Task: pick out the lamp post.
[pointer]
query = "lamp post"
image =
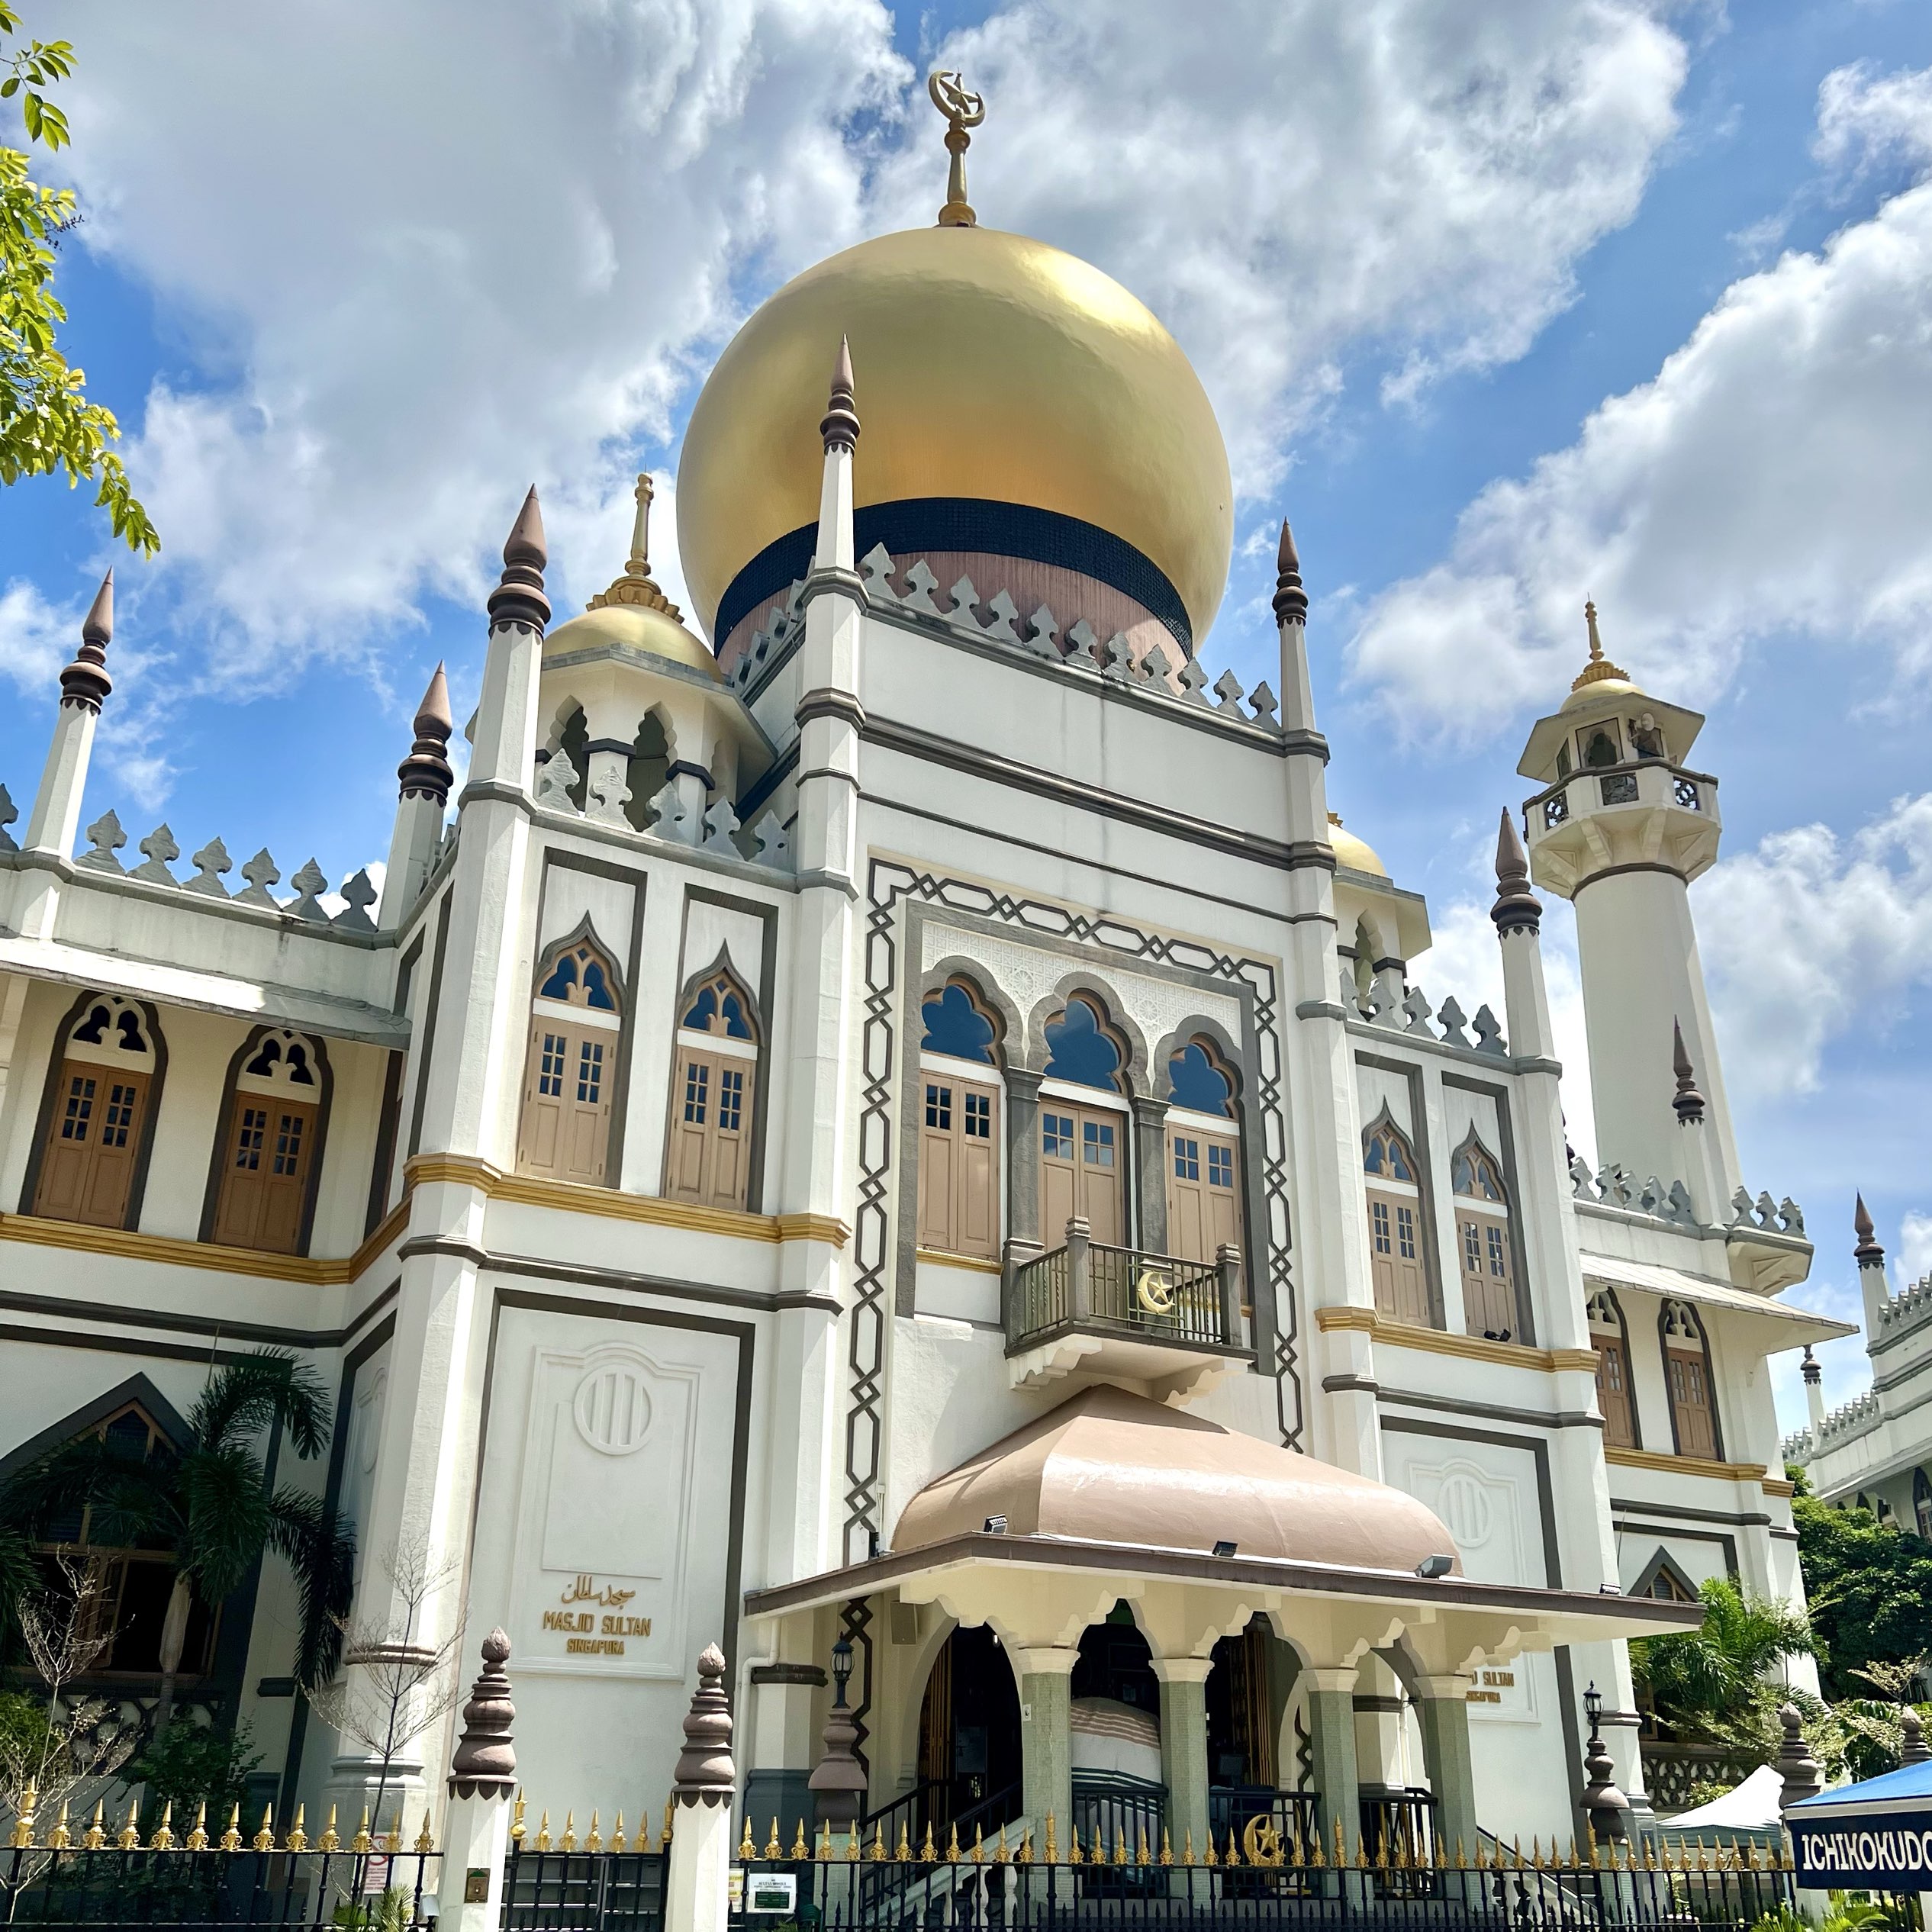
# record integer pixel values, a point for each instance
(1606, 1808)
(838, 1784)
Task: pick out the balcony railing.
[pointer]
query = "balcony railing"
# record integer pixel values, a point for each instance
(1092, 1287)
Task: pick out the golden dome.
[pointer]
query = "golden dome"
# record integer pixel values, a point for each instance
(1014, 399)
(1357, 854)
(634, 614)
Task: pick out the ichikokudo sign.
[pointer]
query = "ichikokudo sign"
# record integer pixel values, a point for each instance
(1884, 1853)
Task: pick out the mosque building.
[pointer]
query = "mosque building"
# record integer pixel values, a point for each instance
(887, 1125)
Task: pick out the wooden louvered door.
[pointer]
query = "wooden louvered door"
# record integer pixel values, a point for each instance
(566, 1116)
(266, 1178)
(87, 1168)
(1080, 1161)
(712, 1100)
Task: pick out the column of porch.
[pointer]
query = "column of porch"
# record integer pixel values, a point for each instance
(1184, 1749)
(1046, 1747)
(1331, 1739)
(1442, 1712)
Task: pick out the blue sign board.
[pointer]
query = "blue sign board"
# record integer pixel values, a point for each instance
(1876, 1835)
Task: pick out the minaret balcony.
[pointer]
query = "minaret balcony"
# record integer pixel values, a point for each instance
(1642, 812)
(1158, 1324)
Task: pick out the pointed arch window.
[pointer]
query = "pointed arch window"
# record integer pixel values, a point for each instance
(959, 1132)
(1204, 1212)
(270, 1154)
(713, 1092)
(1484, 1244)
(1692, 1387)
(1395, 1217)
(98, 1120)
(570, 1073)
(1615, 1396)
(1083, 1048)
(1083, 1150)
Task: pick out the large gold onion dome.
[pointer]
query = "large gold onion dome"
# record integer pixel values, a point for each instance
(1015, 401)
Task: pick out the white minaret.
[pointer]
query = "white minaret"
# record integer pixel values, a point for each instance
(425, 779)
(1874, 1290)
(1620, 828)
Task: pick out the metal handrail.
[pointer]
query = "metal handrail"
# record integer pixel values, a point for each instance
(1090, 1285)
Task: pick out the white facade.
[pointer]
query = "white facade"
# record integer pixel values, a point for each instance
(615, 1412)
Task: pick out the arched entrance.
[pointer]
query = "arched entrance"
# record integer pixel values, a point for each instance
(969, 1760)
(1119, 1790)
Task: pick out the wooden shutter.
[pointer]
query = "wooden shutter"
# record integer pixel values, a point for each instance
(1690, 1403)
(1489, 1275)
(1188, 1212)
(1613, 1393)
(265, 1176)
(1396, 1257)
(1059, 1149)
(1102, 1199)
(938, 1163)
(566, 1119)
(731, 1130)
(712, 1108)
(976, 1211)
(1223, 1158)
(87, 1168)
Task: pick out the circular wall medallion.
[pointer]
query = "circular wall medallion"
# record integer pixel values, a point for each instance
(612, 1409)
(1463, 1503)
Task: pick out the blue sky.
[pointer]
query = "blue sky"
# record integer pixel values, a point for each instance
(1503, 305)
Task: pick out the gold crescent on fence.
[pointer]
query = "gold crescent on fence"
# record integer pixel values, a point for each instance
(1155, 1291)
(1260, 1840)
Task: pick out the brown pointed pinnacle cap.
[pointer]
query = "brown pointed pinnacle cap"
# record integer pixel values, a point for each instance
(705, 1774)
(840, 425)
(484, 1761)
(425, 772)
(85, 681)
(1868, 1253)
(1687, 1101)
(1290, 599)
(1516, 910)
(518, 598)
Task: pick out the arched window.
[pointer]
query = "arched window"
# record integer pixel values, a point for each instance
(1482, 1242)
(1395, 1209)
(1922, 1503)
(98, 1126)
(576, 1026)
(1687, 1373)
(1599, 744)
(959, 1134)
(713, 1093)
(269, 1154)
(1204, 1154)
(1083, 1150)
(1610, 1339)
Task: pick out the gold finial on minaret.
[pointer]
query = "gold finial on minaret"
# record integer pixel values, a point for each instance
(637, 585)
(1599, 666)
(962, 109)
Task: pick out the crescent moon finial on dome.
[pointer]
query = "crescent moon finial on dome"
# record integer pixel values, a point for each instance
(963, 109)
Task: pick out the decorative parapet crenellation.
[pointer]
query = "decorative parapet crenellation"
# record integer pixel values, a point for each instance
(1104, 662)
(1784, 1217)
(668, 819)
(1905, 1312)
(1846, 1423)
(1614, 1186)
(1412, 1013)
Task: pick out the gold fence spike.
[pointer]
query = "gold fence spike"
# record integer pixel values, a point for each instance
(1052, 1848)
(1573, 1859)
(60, 1838)
(198, 1837)
(1382, 1846)
(1361, 1855)
(542, 1830)
(264, 1838)
(773, 1850)
(1341, 1845)
(852, 1842)
(129, 1837)
(799, 1852)
(570, 1832)
(1320, 1860)
(617, 1833)
(928, 1852)
(999, 1850)
(1120, 1843)
(1025, 1854)
(517, 1825)
(822, 1845)
(747, 1851)
(670, 1806)
(231, 1839)
(1441, 1852)
(1140, 1847)
(1075, 1856)
(1213, 1857)
(593, 1842)
(904, 1855)
(1297, 1857)
(425, 1844)
(97, 1832)
(1516, 1848)
(952, 1846)
(977, 1855)
(1462, 1863)
(331, 1840)
(23, 1832)
(878, 1854)
(1166, 1847)
(362, 1842)
(1234, 1849)
(297, 1838)
(164, 1837)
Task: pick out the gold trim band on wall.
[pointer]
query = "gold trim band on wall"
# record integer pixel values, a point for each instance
(1469, 1348)
(1691, 1466)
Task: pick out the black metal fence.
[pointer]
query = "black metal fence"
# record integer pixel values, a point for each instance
(368, 1891)
(1299, 1887)
(553, 1891)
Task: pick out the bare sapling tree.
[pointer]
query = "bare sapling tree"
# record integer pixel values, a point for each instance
(399, 1676)
(51, 1760)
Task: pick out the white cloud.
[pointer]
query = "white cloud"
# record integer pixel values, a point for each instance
(1768, 479)
(419, 256)
(35, 639)
(1810, 934)
(1912, 1261)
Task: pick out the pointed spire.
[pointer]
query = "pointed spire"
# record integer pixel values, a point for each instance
(637, 586)
(518, 598)
(963, 109)
(1809, 1369)
(1290, 600)
(1687, 1101)
(85, 681)
(1868, 1253)
(425, 772)
(1517, 909)
(1599, 666)
(484, 1760)
(840, 426)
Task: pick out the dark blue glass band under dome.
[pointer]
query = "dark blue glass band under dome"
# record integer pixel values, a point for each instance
(920, 526)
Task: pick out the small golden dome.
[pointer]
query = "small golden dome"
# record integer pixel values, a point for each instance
(634, 614)
(1357, 854)
(1010, 395)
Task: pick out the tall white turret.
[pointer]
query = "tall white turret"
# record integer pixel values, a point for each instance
(1620, 828)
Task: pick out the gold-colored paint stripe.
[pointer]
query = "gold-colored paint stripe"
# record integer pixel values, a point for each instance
(1470, 1348)
(1687, 1465)
(973, 1263)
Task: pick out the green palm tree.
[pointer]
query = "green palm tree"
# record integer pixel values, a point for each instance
(209, 1501)
(1720, 1670)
